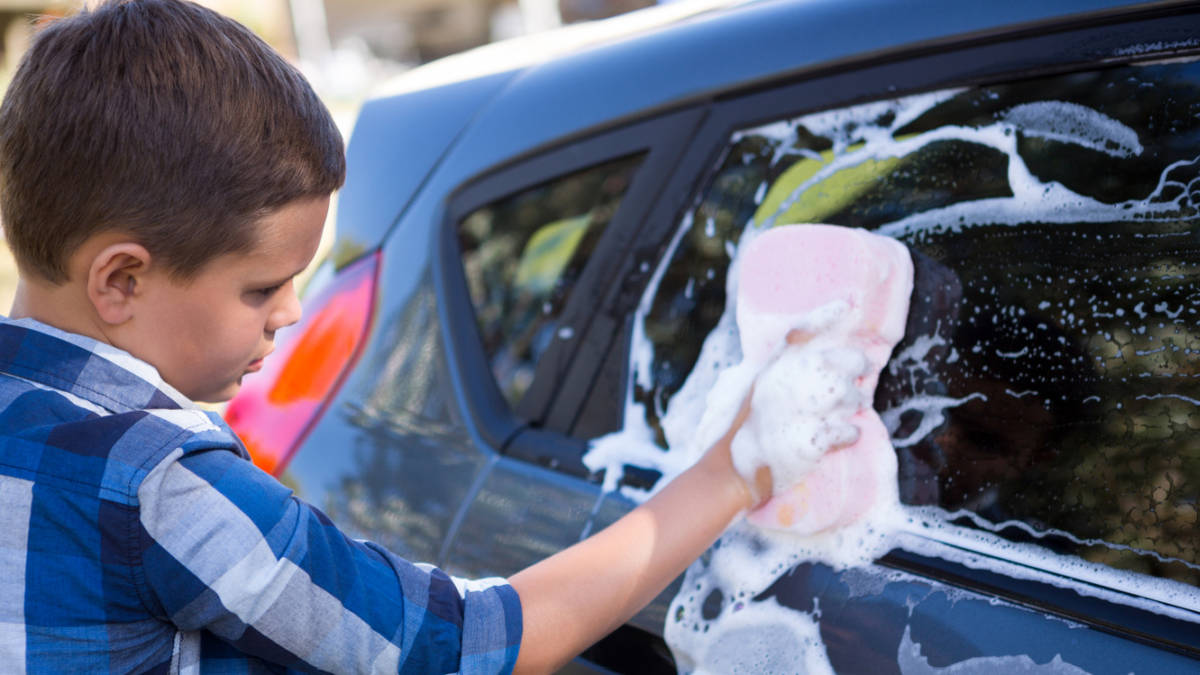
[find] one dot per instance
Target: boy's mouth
(257, 364)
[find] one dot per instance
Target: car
(529, 297)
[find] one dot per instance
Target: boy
(163, 178)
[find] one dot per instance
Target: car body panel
(521, 514)
(384, 170)
(918, 626)
(396, 460)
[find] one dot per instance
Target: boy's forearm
(578, 596)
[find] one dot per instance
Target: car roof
(681, 33)
(506, 100)
(530, 50)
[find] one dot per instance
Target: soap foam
(800, 404)
(748, 637)
(911, 662)
(802, 408)
(1076, 124)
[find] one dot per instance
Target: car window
(1048, 386)
(522, 256)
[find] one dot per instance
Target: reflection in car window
(522, 256)
(1049, 387)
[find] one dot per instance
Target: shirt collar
(92, 370)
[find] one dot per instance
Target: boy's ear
(115, 278)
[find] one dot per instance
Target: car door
(1042, 406)
(525, 257)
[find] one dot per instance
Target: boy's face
(205, 334)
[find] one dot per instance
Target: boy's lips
(257, 364)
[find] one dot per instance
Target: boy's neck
(65, 307)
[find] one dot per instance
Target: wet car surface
(534, 252)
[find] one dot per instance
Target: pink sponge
(789, 271)
(792, 276)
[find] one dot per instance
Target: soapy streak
(645, 361)
(1157, 47)
(1013, 355)
(635, 442)
(983, 523)
(1001, 135)
(846, 126)
(933, 409)
(911, 662)
(1148, 397)
(893, 149)
(1070, 122)
(1046, 203)
(913, 356)
(1033, 200)
(926, 531)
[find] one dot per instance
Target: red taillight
(277, 405)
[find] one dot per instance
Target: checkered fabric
(136, 537)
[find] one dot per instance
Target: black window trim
(1070, 46)
(662, 140)
(1126, 621)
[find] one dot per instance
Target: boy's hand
(798, 337)
(759, 490)
(577, 596)
(721, 456)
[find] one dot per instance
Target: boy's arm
(225, 547)
(574, 598)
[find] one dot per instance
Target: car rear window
(522, 256)
(1048, 388)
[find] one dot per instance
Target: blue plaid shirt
(136, 537)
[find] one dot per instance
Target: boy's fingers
(740, 418)
(764, 485)
(798, 336)
(743, 412)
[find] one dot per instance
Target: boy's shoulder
(84, 417)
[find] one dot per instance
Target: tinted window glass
(522, 256)
(1057, 248)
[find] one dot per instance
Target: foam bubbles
(911, 662)
(746, 637)
(1077, 124)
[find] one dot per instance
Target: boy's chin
(216, 397)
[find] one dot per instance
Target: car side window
(1048, 384)
(522, 255)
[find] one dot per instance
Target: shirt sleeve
(229, 549)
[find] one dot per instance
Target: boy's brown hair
(162, 120)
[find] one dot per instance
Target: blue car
(536, 254)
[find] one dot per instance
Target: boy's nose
(287, 312)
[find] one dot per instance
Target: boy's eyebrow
(284, 280)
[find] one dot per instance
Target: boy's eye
(268, 292)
